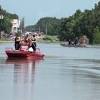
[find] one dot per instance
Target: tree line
(80, 23)
(47, 25)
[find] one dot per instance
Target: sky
(33, 10)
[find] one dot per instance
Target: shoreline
(6, 41)
(47, 41)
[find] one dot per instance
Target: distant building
(15, 25)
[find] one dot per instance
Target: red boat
(24, 54)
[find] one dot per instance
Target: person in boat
(25, 43)
(17, 42)
(33, 42)
(76, 41)
(69, 42)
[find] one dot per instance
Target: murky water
(64, 74)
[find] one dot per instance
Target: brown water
(64, 74)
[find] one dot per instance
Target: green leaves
(47, 25)
(82, 23)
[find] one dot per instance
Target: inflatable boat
(23, 54)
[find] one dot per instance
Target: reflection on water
(24, 73)
(17, 78)
(23, 69)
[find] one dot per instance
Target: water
(64, 74)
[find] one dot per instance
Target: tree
(96, 35)
(81, 23)
(22, 26)
(47, 23)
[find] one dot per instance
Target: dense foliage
(47, 25)
(30, 28)
(80, 23)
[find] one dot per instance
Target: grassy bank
(43, 39)
(5, 40)
(49, 39)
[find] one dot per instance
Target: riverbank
(6, 41)
(42, 39)
(48, 39)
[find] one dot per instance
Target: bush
(48, 38)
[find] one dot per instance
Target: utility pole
(22, 26)
(46, 30)
(39, 29)
(1, 19)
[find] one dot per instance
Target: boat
(72, 45)
(23, 54)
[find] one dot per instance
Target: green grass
(49, 39)
(5, 41)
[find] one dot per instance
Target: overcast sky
(33, 10)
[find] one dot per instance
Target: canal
(64, 74)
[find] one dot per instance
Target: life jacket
(24, 48)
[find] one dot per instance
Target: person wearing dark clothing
(69, 42)
(76, 41)
(33, 43)
(17, 43)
